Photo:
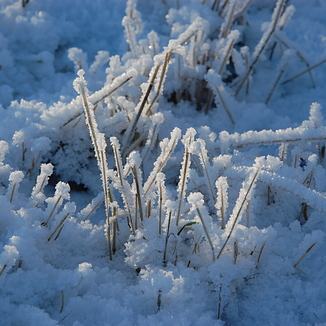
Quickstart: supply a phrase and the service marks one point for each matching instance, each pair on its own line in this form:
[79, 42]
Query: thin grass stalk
[96, 102]
[239, 213]
[240, 145]
[132, 126]
[304, 255]
[12, 192]
[52, 211]
[305, 71]
[235, 251]
[58, 227]
[160, 163]
[206, 232]
[226, 57]
[160, 192]
[163, 72]
[93, 210]
[229, 21]
[222, 211]
[275, 85]
[183, 178]
[166, 240]
[261, 252]
[204, 161]
[277, 12]
[119, 166]
[281, 39]
[215, 5]
[139, 195]
[225, 106]
[101, 158]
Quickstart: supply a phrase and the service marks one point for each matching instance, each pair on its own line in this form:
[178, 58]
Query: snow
[216, 197]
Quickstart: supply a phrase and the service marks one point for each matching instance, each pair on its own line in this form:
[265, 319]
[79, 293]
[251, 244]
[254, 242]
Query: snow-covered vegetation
[162, 162]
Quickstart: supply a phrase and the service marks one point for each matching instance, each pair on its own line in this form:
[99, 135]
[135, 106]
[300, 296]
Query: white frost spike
[222, 201]
[15, 179]
[79, 58]
[316, 118]
[86, 212]
[37, 196]
[196, 200]
[269, 31]
[101, 59]
[244, 197]
[99, 144]
[134, 161]
[167, 147]
[61, 192]
[202, 153]
[187, 141]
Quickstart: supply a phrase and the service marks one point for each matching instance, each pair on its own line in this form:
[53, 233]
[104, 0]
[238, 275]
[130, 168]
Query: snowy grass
[213, 201]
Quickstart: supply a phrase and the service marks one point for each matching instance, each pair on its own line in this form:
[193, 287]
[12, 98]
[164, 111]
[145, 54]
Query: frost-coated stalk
[226, 26]
[99, 143]
[187, 141]
[202, 153]
[157, 119]
[61, 192]
[281, 69]
[305, 71]
[134, 161]
[167, 239]
[162, 198]
[38, 197]
[239, 211]
[124, 187]
[85, 213]
[132, 125]
[222, 199]
[106, 91]
[228, 49]
[167, 147]
[15, 179]
[260, 48]
[215, 83]
[160, 83]
[206, 232]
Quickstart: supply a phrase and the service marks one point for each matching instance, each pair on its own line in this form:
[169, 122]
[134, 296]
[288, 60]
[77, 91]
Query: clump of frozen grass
[168, 204]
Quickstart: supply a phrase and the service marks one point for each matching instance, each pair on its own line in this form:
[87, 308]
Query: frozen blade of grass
[203, 156]
[304, 255]
[222, 199]
[167, 239]
[123, 188]
[214, 80]
[197, 202]
[260, 48]
[238, 214]
[287, 55]
[269, 137]
[99, 144]
[187, 140]
[106, 91]
[305, 71]
[167, 148]
[226, 26]
[289, 44]
[58, 226]
[132, 126]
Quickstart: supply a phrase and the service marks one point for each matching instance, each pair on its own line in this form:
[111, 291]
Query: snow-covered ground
[162, 162]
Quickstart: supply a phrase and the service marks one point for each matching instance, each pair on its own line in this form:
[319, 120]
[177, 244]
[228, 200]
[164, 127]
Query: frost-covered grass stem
[238, 214]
